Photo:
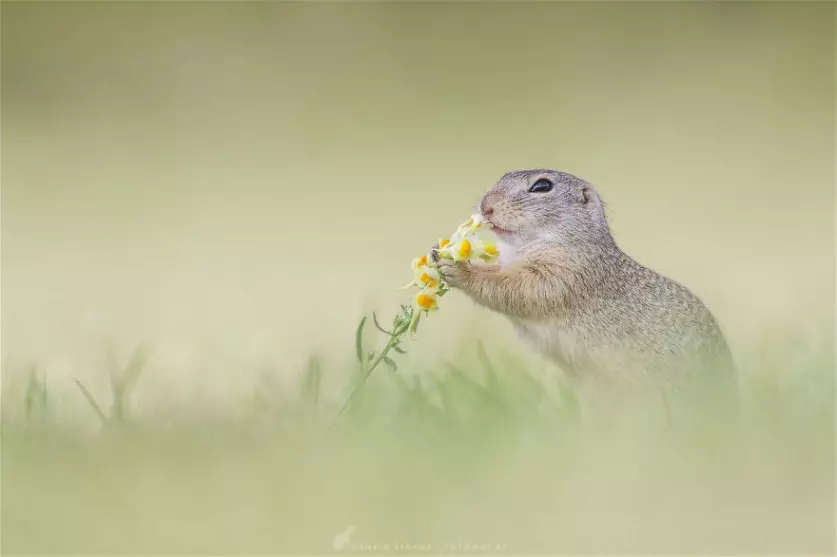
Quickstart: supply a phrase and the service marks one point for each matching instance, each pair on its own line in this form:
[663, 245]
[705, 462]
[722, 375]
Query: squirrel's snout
[486, 209]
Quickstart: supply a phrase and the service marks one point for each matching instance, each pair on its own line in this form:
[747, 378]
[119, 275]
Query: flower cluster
[474, 240]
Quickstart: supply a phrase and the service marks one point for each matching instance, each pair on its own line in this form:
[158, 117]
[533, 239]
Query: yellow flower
[459, 251]
[420, 262]
[426, 300]
[475, 223]
[462, 251]
[484, 246]
[429, 278]
[471, 241]
[425, 274]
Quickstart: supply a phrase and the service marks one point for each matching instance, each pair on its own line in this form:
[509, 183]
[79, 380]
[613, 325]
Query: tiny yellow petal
[444, 243]
[429, 281]
[491, 250]
[426, 301]
[465, 249]
[422, 260]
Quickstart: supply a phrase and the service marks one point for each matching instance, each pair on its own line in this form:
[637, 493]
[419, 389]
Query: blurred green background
[248, 177]
[236, 182]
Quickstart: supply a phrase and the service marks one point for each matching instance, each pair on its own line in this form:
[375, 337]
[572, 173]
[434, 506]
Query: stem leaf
[378, 325]
[359, 340]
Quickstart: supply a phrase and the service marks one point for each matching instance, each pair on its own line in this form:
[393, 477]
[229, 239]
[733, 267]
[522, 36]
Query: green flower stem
[391, 343]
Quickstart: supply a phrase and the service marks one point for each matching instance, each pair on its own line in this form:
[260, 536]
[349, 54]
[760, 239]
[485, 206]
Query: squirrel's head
[528, 206]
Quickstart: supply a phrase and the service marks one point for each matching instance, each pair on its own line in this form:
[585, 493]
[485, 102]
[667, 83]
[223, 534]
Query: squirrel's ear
[587, 194]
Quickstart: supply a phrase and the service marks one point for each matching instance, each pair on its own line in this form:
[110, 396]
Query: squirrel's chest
[508, 253]
[554, 338]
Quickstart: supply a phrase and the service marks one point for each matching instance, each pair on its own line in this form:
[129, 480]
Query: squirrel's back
[634, 326]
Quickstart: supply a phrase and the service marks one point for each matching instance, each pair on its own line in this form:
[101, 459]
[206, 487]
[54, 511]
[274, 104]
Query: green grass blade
[31, 394]
[135, 366]
[92, 401]
[311, 382]
[490, 375]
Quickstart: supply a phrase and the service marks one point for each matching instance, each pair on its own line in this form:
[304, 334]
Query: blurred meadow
[200, 200]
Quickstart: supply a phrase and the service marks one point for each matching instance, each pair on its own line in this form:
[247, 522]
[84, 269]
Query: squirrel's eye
[541, 186]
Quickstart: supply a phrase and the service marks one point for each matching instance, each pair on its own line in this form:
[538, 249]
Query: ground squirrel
[571, 291]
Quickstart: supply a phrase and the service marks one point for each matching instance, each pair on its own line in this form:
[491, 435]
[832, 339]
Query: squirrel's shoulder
[641, 283]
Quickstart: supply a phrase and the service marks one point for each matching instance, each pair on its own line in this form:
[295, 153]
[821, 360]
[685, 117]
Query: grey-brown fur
[579, 299]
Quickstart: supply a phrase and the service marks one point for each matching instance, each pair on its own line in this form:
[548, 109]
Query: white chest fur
[508, 254]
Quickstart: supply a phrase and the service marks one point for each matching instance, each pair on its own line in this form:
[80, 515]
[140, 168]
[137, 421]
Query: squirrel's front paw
[454, 274]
